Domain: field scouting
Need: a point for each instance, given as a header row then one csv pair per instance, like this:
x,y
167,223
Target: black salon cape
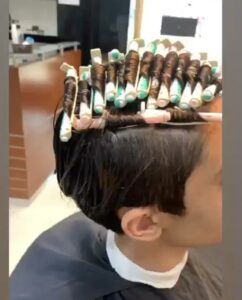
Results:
x,y
69,262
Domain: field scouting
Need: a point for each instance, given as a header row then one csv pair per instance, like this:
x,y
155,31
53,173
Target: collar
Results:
x,y
134,273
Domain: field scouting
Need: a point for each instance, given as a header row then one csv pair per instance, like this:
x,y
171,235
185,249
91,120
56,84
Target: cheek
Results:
x,y
201,225
205,210
205,204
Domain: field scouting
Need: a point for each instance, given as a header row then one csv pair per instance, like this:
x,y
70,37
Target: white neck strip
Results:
x,y
134,273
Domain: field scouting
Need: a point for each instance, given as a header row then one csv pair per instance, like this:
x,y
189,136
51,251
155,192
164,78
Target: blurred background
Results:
x,y
42,35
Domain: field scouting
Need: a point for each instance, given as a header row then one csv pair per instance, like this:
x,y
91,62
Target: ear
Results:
x,y
140,223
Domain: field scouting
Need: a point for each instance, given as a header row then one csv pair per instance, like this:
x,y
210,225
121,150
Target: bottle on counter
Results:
x,y
17,36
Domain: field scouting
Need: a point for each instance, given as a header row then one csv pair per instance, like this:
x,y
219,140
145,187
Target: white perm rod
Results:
x,y
66,124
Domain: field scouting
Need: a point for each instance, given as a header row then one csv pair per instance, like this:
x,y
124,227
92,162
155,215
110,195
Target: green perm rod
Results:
x,y
143,85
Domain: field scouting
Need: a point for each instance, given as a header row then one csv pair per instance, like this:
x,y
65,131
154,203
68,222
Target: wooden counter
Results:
x,y
35,90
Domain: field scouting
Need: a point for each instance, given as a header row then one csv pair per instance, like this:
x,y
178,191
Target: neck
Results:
x,y
156,256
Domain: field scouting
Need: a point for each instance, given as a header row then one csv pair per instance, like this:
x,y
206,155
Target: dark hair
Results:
x,y
131,66
69,94
170,66
156,71
112,72
146,64
98,77
104,170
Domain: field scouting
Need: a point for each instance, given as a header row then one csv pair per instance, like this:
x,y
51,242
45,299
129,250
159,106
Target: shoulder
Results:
x,y
63,256
202,278
139,291
74,237
78,223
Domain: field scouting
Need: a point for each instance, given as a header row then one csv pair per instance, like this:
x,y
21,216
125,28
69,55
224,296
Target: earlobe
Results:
x,y
140,224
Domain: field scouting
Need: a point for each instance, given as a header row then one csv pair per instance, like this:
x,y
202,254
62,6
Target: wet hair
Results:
x,y
98,77
131,66
83,96
205,76
138,166
69,94
146,64
170,66
183,63
112,72
120,73
156,71
192,72
218,83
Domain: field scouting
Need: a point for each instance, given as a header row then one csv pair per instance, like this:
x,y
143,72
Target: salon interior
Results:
x,y
43,34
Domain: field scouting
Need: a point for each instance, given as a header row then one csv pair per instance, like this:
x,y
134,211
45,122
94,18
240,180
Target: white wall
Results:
x,y
131,26
42,13
209,12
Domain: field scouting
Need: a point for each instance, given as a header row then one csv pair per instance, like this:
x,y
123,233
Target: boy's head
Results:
x,y
149,182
